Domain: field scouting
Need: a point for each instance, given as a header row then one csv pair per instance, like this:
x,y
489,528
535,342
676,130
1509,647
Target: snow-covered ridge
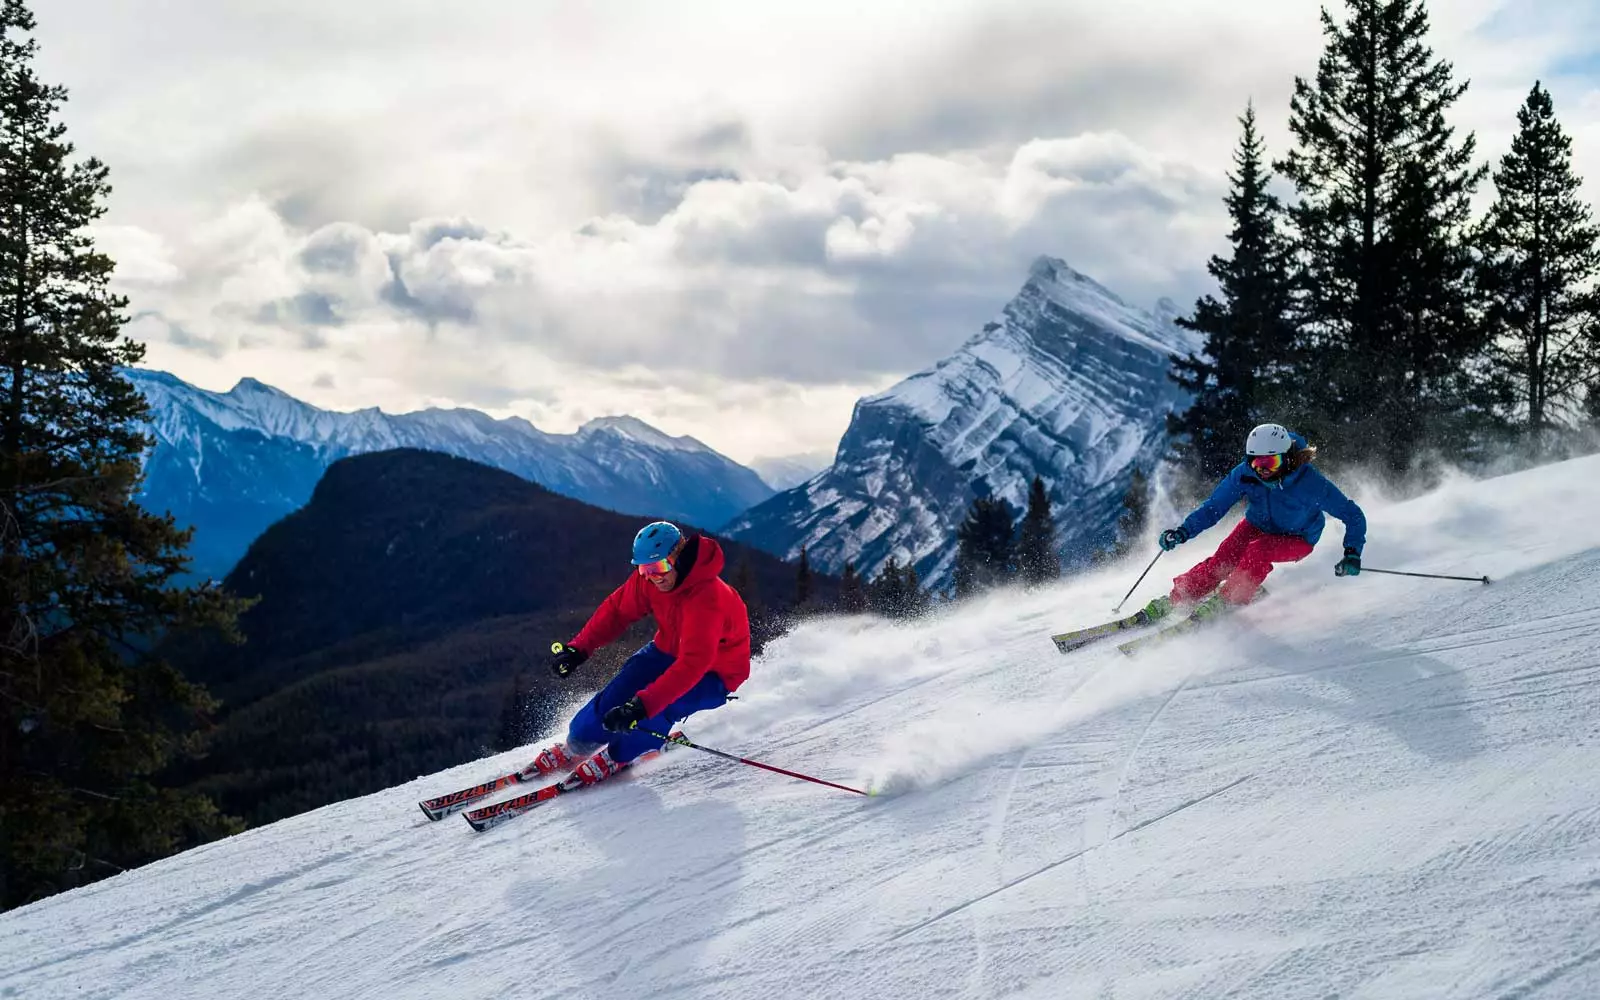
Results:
x,y
230,463
1069,383
1374,787
256,405
636,430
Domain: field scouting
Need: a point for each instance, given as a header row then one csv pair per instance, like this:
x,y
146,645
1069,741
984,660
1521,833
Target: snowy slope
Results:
x,y
1369,788
233,463
1069,383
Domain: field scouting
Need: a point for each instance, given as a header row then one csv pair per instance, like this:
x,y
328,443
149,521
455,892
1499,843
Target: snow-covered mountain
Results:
x,y
232,463
1363,788
788,471
1069,383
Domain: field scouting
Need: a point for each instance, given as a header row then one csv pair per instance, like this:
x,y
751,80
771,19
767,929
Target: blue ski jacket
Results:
x,y
1291,505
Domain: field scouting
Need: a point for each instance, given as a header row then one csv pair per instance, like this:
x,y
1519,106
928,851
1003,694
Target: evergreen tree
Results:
x,y
1384,295
744,582
1249,335
1133,525
881,586
883,594
1443,398
896,593
986,547
763,622
513,729
88,713
913,599
1037,561
802,581
852,597
1541,256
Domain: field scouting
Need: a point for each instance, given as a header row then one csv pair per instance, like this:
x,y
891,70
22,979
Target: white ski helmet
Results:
x,y
1268,439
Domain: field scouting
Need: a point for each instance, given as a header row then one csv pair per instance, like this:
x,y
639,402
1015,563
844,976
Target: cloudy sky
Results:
x,y
729,218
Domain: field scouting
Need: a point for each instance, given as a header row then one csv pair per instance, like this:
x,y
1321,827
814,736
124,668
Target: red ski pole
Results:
x,y
684,742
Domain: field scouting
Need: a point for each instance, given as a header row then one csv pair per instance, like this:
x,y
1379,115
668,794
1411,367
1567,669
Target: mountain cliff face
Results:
x,y
1069,383
233,463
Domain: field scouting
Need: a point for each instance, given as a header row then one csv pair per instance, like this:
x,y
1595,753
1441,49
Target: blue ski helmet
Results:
x,y
655,541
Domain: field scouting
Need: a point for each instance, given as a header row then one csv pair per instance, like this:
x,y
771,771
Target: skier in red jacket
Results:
x,y
698,656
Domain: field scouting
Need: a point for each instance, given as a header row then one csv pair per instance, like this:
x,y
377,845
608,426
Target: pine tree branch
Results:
x,y
20,701
96,795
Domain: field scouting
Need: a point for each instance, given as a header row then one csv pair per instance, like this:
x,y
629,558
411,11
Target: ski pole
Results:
x,y
1147,569
683,741
1430,576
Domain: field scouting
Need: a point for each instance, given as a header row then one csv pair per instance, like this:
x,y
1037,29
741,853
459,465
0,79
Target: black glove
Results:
x,y
1172,538
566,659
625,716
1350,565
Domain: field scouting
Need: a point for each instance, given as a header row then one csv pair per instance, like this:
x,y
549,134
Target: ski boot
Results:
x,y
1212,607
551,759
597,768
1157,609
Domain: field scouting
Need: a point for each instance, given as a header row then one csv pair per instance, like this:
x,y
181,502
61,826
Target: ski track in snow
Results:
x,y
1371,788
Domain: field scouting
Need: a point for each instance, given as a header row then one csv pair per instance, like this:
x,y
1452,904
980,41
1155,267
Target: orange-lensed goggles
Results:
x,y
661,567
1266,465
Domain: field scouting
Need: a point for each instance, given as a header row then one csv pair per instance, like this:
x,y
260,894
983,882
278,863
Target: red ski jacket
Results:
x,y
702,622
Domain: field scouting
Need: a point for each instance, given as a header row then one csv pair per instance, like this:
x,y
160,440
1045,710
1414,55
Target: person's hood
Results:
x,y
709,561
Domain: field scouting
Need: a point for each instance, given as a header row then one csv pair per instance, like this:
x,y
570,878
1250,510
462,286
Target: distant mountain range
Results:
x,y
1068,383
232,463
789,471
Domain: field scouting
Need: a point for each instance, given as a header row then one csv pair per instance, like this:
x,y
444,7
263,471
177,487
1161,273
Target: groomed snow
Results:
x,y
1371,788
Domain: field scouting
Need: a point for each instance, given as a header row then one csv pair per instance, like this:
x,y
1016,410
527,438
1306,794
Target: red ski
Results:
x,y
550,760
591,772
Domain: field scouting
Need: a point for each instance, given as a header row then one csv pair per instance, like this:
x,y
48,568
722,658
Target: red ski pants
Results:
x,y
1240,563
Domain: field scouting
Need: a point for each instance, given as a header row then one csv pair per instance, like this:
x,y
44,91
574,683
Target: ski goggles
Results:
x,y
656,570
1266,466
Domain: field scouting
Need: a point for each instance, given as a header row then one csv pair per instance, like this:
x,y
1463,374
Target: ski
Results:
x,y
551,759
592,771
1183,626
1180,627
1066,642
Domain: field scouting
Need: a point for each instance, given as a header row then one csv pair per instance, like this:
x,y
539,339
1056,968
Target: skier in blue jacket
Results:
x,y
1286,499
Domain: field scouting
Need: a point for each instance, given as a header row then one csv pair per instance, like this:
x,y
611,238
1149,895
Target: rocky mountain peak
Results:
x,y
1069,383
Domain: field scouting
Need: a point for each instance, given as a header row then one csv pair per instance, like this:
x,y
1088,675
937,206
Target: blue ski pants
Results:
x,y
636,674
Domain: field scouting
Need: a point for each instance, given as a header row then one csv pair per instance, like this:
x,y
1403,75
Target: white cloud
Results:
x,y
746,279
142,257
690,210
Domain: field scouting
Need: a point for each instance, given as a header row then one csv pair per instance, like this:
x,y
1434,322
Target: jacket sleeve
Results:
x,y
699,630
1345,509
1221,500
624,606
